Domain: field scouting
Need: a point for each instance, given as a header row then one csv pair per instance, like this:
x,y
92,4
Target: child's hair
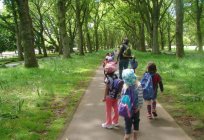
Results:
x,y
151,67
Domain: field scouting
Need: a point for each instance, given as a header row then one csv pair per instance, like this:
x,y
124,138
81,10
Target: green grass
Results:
x,y
4,61
36,103
183,83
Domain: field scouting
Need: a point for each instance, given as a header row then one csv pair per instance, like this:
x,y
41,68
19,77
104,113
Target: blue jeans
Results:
x,y
123,64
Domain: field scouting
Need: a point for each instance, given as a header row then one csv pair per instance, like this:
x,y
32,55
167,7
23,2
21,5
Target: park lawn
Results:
x,y
36,103
183,80
4,61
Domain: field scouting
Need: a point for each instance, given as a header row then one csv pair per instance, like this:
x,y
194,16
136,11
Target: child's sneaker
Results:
x,y
154,114
104,125
115,124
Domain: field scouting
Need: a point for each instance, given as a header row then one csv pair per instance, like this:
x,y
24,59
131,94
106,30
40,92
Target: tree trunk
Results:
x,y
71,44
150,38
88,38
27,34
155,42
17,32
59,40
179,29
81,49
42,41
162,38
142,37
42,44
64,39
18,43
198,27
105,34
169,33
79,28
96,36
38,46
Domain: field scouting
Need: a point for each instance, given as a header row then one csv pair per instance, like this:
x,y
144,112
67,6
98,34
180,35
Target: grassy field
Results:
x,y
4,61
183,88
35,103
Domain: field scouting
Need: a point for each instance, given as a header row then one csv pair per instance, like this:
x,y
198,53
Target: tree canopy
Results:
x,y
90,25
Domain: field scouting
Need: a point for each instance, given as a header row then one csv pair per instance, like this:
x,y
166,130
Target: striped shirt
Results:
x,y
140,95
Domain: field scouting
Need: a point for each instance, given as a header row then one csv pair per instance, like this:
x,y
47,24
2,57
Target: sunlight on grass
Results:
x,y
35,103
182,78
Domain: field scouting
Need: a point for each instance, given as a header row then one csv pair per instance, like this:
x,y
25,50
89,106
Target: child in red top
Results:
x,y
157,82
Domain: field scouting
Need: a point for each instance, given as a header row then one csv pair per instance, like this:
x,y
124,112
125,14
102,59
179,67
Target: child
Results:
x,y
112,54
156,80
134,90
111,95
107,59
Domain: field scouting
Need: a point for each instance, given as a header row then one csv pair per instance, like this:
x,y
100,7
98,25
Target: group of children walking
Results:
x,y
125,95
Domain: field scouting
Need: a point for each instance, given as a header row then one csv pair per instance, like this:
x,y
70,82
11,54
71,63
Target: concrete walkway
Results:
x,y
86,123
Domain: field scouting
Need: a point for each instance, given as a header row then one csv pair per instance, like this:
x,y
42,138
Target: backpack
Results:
x,y
115,88
147,85
128,102
133,63
124,107
127,51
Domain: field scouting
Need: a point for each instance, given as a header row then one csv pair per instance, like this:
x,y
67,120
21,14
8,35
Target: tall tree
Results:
x,y
194,10
64,39
79,21
199,10
152,13
27,35
11,20
40,19
17,32
98,16
179,28
87,26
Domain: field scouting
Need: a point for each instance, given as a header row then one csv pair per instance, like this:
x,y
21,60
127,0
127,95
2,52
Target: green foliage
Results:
x,y
35,103
183,81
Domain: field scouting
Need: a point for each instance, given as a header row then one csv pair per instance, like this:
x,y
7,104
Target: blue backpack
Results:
x,y
116,87
133,63
147,85
128,101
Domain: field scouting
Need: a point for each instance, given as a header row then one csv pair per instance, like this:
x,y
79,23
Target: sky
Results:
x,y
1,5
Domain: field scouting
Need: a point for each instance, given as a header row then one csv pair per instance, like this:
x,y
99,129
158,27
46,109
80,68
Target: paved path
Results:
x,y
86,123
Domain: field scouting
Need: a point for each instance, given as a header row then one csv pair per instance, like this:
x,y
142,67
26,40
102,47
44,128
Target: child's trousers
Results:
x,y
111,103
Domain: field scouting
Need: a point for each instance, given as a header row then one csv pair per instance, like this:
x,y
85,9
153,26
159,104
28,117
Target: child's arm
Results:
x,y
161,84
140,96
105,93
